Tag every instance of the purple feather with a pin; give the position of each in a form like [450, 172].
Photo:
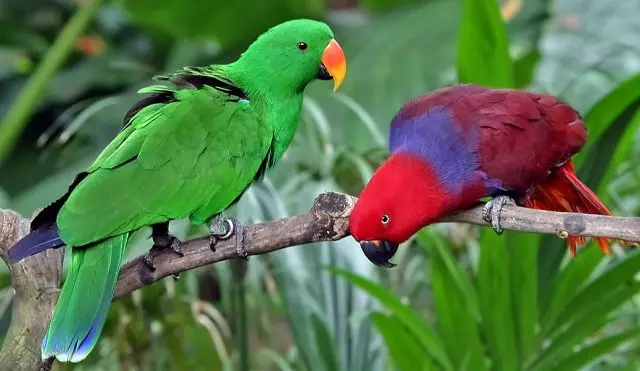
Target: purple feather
[41, 239]
[435, 136]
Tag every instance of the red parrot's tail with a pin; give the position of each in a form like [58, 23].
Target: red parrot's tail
[563, 191]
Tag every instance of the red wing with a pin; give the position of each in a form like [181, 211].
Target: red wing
[523, 135]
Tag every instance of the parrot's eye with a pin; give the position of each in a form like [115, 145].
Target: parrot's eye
[302, 46]
[385, 219]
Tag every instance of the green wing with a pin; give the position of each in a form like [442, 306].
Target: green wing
[189, 156]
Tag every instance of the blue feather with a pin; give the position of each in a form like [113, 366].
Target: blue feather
[37, 241]
[435, 136]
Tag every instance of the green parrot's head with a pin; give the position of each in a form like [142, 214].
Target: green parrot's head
[294, 53]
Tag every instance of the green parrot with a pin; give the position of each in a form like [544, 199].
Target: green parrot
[185, 151]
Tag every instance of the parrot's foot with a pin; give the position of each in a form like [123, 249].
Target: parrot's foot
[492, 210]
[222, 229]
[162, 240]
[168, 242]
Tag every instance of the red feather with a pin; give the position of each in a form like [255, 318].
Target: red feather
[522, 135]
[523, 143]
[563, 191]
[526, 142]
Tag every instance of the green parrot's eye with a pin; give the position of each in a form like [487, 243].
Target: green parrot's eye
[302, 46]
[385, 219]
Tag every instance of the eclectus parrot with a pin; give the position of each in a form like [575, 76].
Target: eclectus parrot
[187, 151]
[452, 147]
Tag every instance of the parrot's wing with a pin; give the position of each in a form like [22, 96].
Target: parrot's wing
[188, 156]
[524, 135]
[517, 136]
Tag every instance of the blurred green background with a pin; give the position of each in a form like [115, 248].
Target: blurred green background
[461, 297]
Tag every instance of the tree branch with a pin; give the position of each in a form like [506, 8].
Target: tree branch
[36, 282]
[326, 221]
[36, 279]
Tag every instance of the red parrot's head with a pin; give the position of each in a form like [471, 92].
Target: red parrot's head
[401, 197]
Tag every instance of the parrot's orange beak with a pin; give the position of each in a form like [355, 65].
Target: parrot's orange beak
[379, 252]
[335, 63]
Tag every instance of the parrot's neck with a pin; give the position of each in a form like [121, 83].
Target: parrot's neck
[411, 191]
[420, 189]
[279, 105]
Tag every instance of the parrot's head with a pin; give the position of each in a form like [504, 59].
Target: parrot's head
[400, 198]
[295, 53]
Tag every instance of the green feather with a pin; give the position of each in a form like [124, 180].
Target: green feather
[187, 151]
[84, 301]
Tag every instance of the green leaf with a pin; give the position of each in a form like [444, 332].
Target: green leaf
[583, 325]
[494, 287]
[590, 353]
[435, 245]
[326, 346]
[211, 19]
[564, 344]
[425, 334]
[615, 109]
[404, 349]
[599, 159]
[483, 45]
[381, 5]
[566, 286]
[585, 313]
[4, 199]
[523, 263]
[456, 306]
[200, 349]
[275, 358]
[617, 277]
[624, 149]
[524, 68]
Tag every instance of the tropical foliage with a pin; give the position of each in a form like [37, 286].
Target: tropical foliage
[461, 298]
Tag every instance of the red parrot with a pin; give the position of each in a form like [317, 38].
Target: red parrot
[454, 146]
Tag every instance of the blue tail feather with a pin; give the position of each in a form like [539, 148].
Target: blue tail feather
[37, 241]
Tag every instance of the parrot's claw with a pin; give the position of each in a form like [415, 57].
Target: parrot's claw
[492, 210]
[161, 242]
[169, 242]
[222, 229]
[148, 260]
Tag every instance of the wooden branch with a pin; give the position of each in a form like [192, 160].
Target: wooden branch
[522, 219]
[36, 279]
[326, 221]
[36, 282]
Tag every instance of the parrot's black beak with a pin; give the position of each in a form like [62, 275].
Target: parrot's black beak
[379, 252]
[323, 73]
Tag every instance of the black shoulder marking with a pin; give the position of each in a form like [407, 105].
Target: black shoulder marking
[191, 78]
[49, 214]
[267, 162]
[197, 78]
[161, 97]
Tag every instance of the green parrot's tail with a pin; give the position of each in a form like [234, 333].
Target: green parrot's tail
[84, 301]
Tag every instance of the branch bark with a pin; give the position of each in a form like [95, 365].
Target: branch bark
[36, 279]
[35, 282]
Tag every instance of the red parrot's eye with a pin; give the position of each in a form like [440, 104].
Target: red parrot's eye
[302, 46]
[385, 219]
